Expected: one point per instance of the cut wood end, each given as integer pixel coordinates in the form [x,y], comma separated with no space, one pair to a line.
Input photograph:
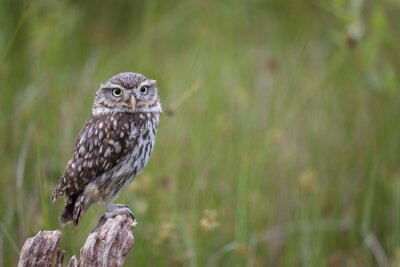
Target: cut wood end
[41,249]
[107,245]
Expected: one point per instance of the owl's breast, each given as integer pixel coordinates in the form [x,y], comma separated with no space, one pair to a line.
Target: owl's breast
[141,139]
[144,143]
[137,159]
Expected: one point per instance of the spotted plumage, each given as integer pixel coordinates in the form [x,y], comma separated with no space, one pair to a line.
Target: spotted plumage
[114,146]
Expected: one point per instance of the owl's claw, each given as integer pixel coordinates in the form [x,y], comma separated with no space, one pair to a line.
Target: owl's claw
[115,210]
[118,209]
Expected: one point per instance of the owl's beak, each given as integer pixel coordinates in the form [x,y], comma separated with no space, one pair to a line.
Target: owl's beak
[133,103]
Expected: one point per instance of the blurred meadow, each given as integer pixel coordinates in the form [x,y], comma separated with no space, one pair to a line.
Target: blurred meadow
[279,144]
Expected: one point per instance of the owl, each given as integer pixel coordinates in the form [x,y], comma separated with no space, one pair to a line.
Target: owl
[113,148]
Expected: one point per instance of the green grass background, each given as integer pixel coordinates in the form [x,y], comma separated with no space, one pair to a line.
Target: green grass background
[280,144]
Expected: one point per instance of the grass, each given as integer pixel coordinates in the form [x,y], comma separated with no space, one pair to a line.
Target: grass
[280,141]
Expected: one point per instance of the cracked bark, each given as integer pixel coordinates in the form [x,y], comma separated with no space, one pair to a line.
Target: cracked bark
[107,245]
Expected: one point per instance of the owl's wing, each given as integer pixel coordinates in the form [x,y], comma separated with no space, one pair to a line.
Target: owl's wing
[100,146]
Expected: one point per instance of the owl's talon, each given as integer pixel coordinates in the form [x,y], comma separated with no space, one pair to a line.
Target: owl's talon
[118,209]
[118,206]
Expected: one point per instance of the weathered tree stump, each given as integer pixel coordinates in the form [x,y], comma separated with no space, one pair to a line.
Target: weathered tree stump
[107,245]
[41,250]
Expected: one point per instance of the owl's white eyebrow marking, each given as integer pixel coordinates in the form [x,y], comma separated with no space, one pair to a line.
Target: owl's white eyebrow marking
[111,85]
[148,82]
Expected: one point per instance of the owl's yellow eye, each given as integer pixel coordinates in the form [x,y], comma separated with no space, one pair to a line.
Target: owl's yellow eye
[116,92]
[144,89]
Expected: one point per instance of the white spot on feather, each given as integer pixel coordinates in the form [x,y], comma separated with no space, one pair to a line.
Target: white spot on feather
[107,153]
[82,150]
[117,147]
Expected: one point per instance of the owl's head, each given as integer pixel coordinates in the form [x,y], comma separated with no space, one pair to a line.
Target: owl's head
[127,92]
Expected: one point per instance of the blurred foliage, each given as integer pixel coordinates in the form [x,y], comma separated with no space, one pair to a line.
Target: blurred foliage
[280,141]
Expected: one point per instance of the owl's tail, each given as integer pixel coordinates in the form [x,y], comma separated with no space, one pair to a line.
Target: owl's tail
[67,215]
[68,212]
[75,206]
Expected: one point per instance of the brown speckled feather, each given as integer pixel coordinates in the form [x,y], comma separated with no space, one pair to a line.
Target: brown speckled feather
[97,149]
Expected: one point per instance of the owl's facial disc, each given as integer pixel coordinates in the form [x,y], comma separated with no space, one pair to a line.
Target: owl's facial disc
[146,95]
[127,92]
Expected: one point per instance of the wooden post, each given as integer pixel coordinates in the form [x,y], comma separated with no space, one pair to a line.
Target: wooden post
[107,245]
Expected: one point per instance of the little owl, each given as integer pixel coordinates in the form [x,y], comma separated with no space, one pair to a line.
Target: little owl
[113,147]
